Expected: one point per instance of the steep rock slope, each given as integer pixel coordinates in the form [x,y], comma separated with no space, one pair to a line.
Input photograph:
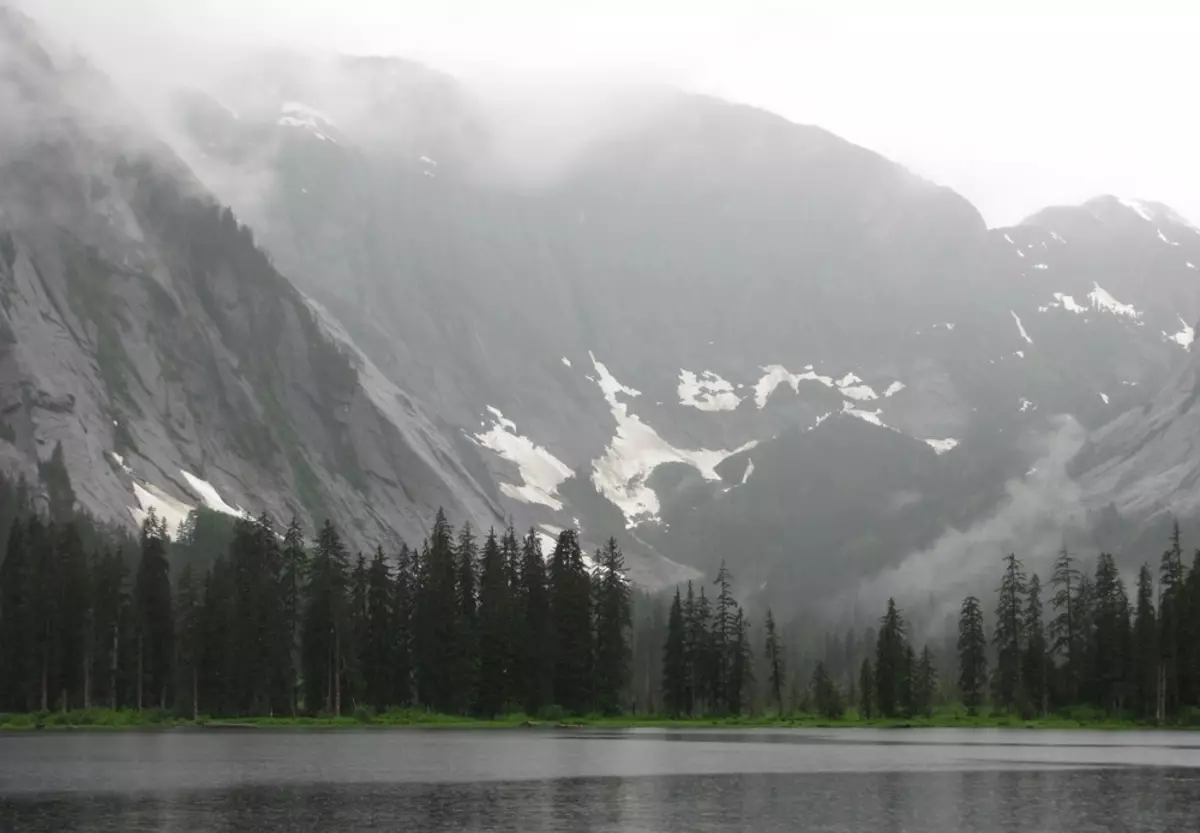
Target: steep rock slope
[144,331]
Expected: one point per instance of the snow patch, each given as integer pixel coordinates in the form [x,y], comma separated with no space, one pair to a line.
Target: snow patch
[120,461]
[708,392]
[1009,239]
[541,472]
[1056,237]
[749,471]
[210,497]
[1040,266]
[1190,265]
[566,361]
[867,416]
[946,324]
[942,446]
[1104,396]
[1021,327]
[1026,405]
[1184,337]
[1138,207]
[777,374]
[853,387]
[1020,354]
[636,450]
[1020,253]
[1103,301]
[296,114]
[893,389]
[173,512]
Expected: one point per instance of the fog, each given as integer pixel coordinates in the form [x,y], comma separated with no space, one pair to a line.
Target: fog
[1051,103]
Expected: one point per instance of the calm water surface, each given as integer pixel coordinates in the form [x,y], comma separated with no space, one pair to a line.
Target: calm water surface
[924,781]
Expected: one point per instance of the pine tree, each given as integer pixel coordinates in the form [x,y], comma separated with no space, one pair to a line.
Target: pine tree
[1008,636]
[674,685]
[722,630]
[773,651]
[924,684]
[1110,652]
[494,629]
[1171,617]
[890,658]
[613,620]
[110,624]
[907,689]
[826,698]
[403,590]
[188,606]
[1066,629]
[1036,664]
[740,673]
[16,620]
[537,659]
[972,655]
[1145,641]
[75,614]
[154,624]
[438,621]
[377,652]
[866,690]
[570,608]
[292,582]
[466,555]
[326,619]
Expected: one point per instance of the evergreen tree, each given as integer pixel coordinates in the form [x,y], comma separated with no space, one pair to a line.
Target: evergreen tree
[826,698]
[291,585]
[924,684]
[722,631]
[570,608]
[907,689]
[1036,664]
[377,652]
[154,624]
[613,620]
[494,629]
[1146,647]
[110,625]
[1171,618]
[325,634]
[466,557]
[73,601]
[972,655]
[1110,646]
[403,589]
[16,621]
[438,621]
[1066,629]
[674,685]
[1008,636]
[775,665]
[188,606]
[866,690]
[537,659]
[740,673]
[890,661]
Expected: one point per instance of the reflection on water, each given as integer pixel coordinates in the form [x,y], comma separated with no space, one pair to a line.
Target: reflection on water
[665,786]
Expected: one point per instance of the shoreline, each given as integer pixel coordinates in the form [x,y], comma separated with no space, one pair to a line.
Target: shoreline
[104,720]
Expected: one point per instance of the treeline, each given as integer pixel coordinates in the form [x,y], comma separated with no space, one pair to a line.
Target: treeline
[1138,659]
[278,626]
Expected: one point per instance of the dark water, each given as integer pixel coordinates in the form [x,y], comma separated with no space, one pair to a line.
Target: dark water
[936,781]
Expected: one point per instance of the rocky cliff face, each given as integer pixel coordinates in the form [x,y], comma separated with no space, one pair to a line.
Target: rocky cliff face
[707,330]
[145,332]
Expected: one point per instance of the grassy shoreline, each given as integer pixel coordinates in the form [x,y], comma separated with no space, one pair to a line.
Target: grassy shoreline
[106,719]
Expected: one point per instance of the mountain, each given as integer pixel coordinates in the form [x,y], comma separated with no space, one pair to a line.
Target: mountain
[143,330]
[695,325]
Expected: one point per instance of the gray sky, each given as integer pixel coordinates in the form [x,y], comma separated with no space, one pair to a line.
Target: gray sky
[1053,102]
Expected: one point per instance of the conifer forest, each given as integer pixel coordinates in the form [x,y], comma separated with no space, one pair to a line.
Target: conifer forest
[237,618]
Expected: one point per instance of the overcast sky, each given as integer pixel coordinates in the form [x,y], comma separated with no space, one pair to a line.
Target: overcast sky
[1053,102]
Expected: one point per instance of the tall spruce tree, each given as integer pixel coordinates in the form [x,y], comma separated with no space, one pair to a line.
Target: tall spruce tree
[291,588]
[403,591]
[741,665]
[1145,647]
[866,690]
[325,636]
[466,553]
[571,614]
[773,650]
[154,623]
[1035,667]
[924,683]
[494,629]
[1066,628]
[17,660]
[613,620]
[537,658]
[890,661]
[1008,636]
[972,655]
[377,653]
[674,662]
[1111,640]
[188,607]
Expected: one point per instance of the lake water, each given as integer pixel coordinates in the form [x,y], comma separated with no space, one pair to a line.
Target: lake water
[925,781]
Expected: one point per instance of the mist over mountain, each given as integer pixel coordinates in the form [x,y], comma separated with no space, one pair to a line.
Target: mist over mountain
[361,288]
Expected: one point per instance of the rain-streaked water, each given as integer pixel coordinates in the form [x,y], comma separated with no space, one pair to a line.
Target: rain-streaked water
[925,781]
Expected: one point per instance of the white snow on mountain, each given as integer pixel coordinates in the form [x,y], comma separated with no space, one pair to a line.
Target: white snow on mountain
[853,387]
[1066,302]
[541,472]
[1021,327]
[1104,396]
[150,497]
[636,450]
[1026,405]
[893,389]
[942,446]
[777,374]
[867,416]
[296,114]
[706,392]
[1103,301]
[1138,207]
[749,471]
[566,361]
[1040,266]
[210,497]
[1184,337]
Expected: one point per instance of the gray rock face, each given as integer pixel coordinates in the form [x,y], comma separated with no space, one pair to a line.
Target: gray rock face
[707,331]
[145,332]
